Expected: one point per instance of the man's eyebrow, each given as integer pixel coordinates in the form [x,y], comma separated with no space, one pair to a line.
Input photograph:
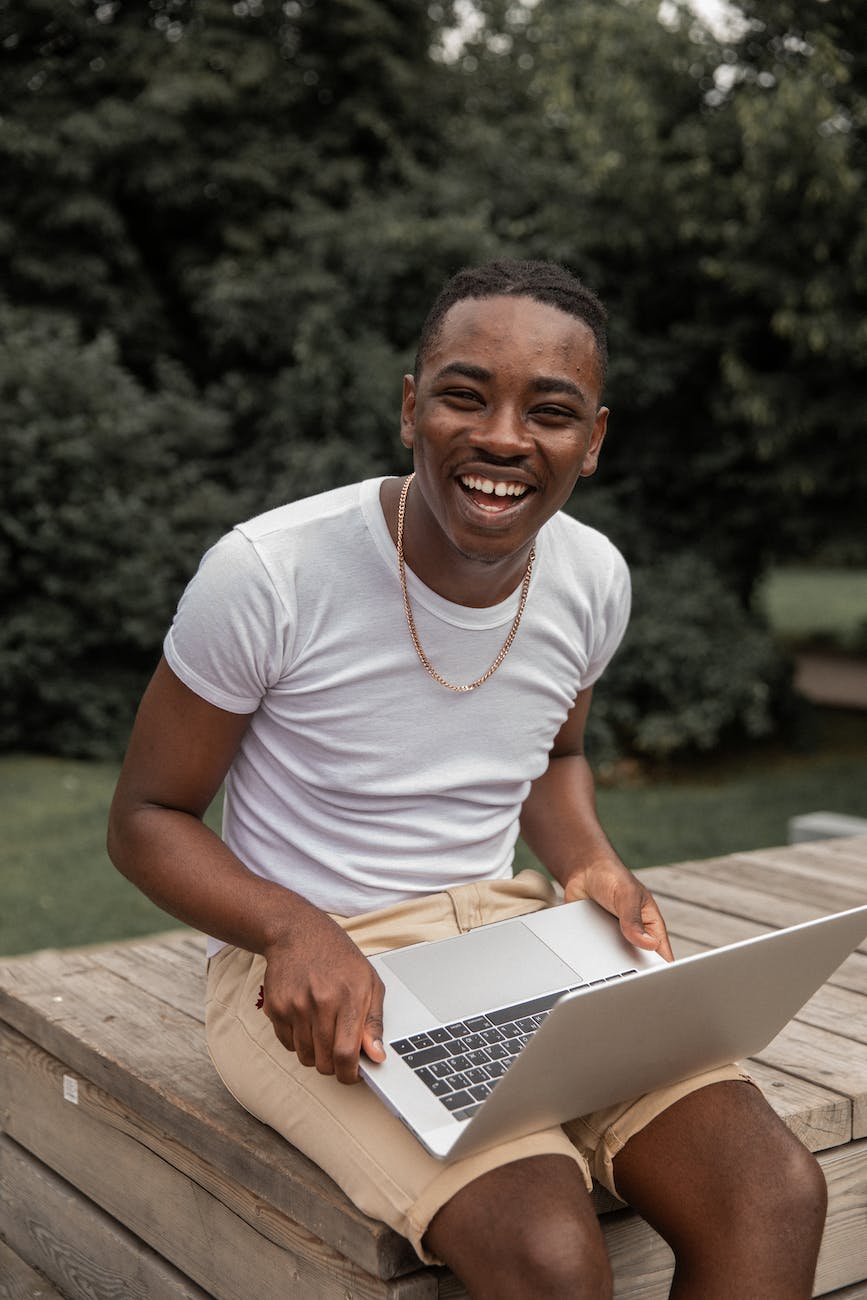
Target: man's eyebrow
[544,384]
[466,369]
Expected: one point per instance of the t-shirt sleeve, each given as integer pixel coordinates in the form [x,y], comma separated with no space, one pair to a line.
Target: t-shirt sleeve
[228,640]
[611,619]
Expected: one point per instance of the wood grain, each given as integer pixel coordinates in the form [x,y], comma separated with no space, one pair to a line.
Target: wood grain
[18,1281]
[85,1253]
[162,1170]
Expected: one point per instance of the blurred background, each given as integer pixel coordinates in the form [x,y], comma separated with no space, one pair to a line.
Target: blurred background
[221,227]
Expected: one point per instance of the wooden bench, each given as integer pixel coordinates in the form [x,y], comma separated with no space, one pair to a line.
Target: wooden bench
[126,1170]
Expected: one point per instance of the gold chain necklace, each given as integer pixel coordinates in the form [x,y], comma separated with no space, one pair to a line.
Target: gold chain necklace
[525,587]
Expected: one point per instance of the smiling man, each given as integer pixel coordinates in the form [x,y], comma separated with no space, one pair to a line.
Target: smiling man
[394,679]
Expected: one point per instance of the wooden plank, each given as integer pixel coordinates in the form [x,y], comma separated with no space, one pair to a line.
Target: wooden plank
[823,1058]
[817,1116]
[18,1281]
[843,1257]
[641,1262]
[228,1241]
[773,910]
[153,1058]
[84,1252]
[172,970]
[692,924]
[839,858]
[827,893]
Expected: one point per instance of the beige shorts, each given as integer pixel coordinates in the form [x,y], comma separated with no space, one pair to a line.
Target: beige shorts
[346,1130]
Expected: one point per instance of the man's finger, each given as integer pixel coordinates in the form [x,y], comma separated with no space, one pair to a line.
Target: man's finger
[643,926]
[371,1039]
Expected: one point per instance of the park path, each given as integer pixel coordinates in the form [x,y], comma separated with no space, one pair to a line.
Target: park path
[831,679]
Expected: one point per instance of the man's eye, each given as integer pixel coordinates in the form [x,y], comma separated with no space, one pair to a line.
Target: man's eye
[554,413]
[462,395]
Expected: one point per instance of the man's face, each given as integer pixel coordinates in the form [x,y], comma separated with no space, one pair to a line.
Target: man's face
[503,421]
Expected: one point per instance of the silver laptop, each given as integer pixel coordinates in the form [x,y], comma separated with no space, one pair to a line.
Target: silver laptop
[530,1022]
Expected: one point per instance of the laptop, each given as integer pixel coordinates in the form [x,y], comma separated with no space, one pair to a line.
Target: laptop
[525,1023]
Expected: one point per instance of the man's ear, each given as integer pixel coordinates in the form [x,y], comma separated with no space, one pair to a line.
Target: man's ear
[591,456]
[407,412]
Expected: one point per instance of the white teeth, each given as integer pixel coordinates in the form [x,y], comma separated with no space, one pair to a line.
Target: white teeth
[490,488]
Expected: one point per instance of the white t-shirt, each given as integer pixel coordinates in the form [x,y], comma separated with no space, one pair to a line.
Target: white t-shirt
[361,781]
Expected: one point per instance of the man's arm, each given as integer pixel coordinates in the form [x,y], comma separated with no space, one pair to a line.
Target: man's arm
[321,993]
[560,825]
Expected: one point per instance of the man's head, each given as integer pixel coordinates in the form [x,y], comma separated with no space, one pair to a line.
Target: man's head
[544,282]
[504,416]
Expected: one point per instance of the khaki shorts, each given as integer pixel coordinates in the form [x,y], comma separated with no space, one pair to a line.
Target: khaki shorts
[346,1130]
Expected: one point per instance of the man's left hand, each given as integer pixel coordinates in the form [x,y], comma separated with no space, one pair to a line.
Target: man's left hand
[613,886]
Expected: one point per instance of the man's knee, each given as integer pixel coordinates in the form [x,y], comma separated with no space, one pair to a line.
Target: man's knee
[795,1193]
[540,1255]
[524,1229]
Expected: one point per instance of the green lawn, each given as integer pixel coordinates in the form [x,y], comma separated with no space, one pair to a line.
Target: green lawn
[59,889]
[744,803]
[804,604]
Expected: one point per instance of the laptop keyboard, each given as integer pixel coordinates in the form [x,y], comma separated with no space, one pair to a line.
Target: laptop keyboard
[461,1062]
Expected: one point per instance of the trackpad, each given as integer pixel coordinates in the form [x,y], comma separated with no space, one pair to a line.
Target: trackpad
[489,967]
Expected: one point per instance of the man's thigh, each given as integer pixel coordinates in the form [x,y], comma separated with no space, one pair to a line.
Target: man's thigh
[719,1155]
[344,1129]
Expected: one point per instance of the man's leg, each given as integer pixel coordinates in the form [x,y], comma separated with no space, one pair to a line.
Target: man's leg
[524,1229]
[740,1201]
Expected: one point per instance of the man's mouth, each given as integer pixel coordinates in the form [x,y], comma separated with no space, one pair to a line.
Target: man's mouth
[491,494]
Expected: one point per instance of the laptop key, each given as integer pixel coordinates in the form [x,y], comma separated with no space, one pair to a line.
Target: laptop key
[440,1087]
[440,1069]
[481,1091]
[458,1029]
[402,1046]
[496,1051]
[457,1100]
[468,1112]
[530,1008]
[459,1081]
[478,1022]
[496,1069]
[478,1058]
[473,1043]
[440,1034]
[421,1040]
[426,1056]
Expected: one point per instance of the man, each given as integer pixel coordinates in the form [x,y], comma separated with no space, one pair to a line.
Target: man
[396,677]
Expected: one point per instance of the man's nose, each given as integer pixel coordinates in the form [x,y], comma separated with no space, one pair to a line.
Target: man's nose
[503,433]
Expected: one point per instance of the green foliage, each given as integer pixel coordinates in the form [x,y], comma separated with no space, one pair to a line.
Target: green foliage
[104,510]
[223,224]
[693,669]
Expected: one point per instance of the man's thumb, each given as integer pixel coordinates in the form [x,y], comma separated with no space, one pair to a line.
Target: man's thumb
[371,1040]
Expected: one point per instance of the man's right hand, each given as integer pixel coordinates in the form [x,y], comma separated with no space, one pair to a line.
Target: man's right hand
[323,997]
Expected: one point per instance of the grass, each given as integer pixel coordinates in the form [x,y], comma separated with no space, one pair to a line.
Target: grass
[809,605]
[59,888]
[719,807]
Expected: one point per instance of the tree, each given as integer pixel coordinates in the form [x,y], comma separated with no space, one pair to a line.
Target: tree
[105,508]
[240,213]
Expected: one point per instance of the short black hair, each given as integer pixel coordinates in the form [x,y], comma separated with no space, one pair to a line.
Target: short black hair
[545,282]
